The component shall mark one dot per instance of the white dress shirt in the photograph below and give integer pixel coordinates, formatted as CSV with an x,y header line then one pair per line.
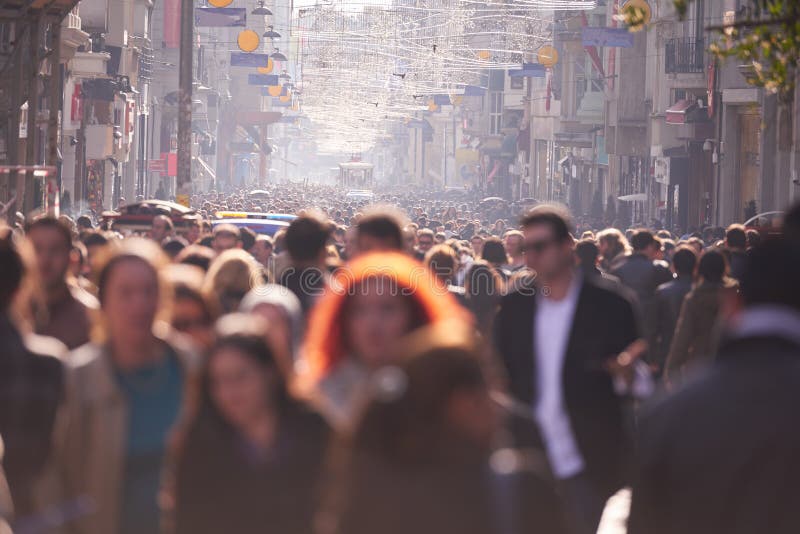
x,y
552,327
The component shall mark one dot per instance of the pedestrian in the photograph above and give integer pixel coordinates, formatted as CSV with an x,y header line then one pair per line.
x,y
192,311
67,308
512,241
130,384
162,228
483,288
32,388
419,459
250,459
307,274
570,349
226,236
231,275
695,338
613,248
720,455
380,229
642,273
669,299
372,303
736,246
282,311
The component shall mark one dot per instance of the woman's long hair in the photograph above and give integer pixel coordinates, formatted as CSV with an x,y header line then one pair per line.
x,y
326,346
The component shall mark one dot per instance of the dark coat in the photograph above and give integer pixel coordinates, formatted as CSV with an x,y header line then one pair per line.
x,y
603,326
643,277
31,391
221,488
669,298
695,339
721,455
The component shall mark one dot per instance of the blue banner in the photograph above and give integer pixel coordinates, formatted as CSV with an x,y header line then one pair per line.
x,y
220,17
244,59
528,70
611,37
262,79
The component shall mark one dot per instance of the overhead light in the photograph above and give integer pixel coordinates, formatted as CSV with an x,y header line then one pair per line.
x,y
285,76
261,9
277,56
271,33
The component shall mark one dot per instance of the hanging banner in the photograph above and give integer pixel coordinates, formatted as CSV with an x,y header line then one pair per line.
x,y
248,59
262,79
607,37
220,17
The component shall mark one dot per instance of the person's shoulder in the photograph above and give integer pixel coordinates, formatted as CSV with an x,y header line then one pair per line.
x,y
85,357
47,355
607,290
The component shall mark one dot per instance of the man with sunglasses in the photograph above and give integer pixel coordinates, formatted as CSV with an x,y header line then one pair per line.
x,y
569,345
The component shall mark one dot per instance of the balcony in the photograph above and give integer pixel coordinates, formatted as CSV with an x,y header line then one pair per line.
x,y
682,56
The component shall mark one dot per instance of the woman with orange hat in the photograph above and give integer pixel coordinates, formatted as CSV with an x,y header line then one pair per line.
x,y
372,303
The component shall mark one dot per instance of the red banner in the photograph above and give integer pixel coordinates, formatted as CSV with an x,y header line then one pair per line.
x,y
172,23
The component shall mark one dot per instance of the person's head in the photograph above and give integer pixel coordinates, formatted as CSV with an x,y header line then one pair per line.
x,y
95,243
12,269
242,382
643,242
477,244
697,244
586,254
735,237
52,243
282,311
425,239
226,237
432,407
192,312
494,252
770,275
513,241
712,266
548,243
370,304
194,230
753,238
162,228
611,242
380,230
684,261
306,240
196,255
248,238
130,291
262,249
84,223
442,262
173,246
231,275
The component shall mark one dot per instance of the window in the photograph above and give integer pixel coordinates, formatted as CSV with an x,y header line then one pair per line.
x,y
495,112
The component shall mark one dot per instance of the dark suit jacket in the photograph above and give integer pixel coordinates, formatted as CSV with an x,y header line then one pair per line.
x,y
669,298
721,455
604,324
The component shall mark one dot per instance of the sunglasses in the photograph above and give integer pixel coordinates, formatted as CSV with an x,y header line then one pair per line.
x,y
538,246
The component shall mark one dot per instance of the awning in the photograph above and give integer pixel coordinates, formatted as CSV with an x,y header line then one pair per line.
x,y
677,113
636,197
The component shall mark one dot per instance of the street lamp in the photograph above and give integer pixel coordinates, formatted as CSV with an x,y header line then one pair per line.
x,y
277,56
261,9
271,33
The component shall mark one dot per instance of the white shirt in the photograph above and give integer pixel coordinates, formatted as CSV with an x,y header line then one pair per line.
x,y
551,328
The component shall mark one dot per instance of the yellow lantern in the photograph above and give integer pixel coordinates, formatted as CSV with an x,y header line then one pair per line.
x,y
456,100
636,14
484,54
274,90
247,40
296,107
285,98
432,105
268,68
220,3
548,56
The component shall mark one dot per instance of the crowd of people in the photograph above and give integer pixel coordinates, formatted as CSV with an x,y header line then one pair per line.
x,y
422,364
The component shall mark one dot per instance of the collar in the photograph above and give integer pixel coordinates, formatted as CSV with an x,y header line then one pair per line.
x,y
766,321
574,290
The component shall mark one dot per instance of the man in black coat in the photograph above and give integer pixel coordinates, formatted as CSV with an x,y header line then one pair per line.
x,y
720,456
567,348
669,298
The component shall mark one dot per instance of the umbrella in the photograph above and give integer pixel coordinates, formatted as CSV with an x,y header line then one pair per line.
x,y
637,197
